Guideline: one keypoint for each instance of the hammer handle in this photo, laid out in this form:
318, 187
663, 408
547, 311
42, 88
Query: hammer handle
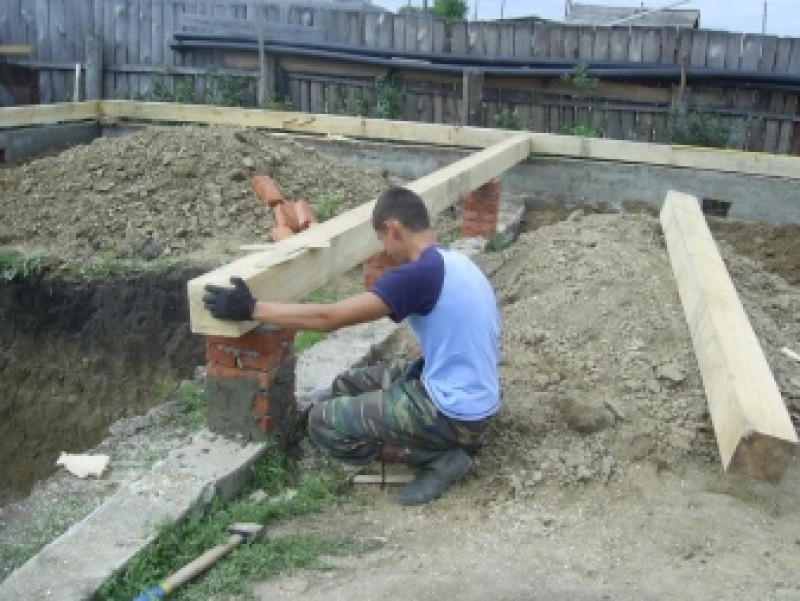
200, 564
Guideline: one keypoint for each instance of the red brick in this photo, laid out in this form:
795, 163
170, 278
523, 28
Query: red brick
263, 341
264, 378
261, 361
264, 423
266, 190
217, 356
260, 405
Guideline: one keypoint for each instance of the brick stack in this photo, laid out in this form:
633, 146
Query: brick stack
480, 210
250, 382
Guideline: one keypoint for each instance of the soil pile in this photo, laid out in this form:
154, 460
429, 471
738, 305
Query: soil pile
598, 369
177, 192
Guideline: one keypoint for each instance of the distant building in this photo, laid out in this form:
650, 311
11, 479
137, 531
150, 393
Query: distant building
635, 16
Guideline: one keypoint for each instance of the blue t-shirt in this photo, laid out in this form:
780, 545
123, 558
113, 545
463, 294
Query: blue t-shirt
451, 307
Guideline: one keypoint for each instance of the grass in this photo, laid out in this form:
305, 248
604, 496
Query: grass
288, 495
108, 265
36, 537
19, 266
305, 339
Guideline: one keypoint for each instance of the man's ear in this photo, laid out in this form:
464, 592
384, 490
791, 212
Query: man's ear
393, 228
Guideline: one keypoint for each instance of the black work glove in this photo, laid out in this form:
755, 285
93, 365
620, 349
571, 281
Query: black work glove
235, 303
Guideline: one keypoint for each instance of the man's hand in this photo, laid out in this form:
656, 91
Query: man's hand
235, 303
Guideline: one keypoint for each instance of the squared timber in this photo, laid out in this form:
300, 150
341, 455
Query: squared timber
754, 432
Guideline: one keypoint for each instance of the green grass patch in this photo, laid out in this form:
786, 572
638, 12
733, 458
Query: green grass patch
288, 494
305, 339
15, 266
107, 265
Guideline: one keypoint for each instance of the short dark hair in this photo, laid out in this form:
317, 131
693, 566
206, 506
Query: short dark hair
404, 205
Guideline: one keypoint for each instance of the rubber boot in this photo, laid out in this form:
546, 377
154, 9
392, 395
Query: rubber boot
438, 470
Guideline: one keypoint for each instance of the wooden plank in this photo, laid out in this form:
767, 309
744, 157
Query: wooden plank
47, 114
716, 49
636, 44
651, 45
523, 40
586, 43
754, 163
556, 42
669, 46
755, 435
317, 255
445, 135
541, 39
506, 32
491, 39
571, 40
619, 43
751, 52
16, 49
734, 50
43, 48
769, 49
602, 43
699, 48
458, 40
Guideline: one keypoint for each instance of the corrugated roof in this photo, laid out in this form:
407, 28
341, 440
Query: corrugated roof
595, 14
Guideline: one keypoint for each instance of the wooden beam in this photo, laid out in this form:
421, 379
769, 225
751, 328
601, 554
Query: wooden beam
694, 157
358, 127
45, 114
304, 262
16, 49
754, 433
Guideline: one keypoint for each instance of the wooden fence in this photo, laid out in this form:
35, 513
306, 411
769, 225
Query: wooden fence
134, 44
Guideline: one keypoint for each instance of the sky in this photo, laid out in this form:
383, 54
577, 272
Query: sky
783, 16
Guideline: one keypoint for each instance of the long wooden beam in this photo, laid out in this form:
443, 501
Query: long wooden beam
404, 131
310, 259
694, 157
753, 163
47, 114
754, 433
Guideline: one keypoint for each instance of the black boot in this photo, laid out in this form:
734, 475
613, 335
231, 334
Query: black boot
438, 471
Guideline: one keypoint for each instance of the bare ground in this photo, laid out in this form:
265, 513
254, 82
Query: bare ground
602, 479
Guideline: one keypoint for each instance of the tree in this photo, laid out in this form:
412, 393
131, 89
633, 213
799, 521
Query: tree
449, 9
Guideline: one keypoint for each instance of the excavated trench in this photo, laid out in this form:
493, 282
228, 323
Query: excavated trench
75, 356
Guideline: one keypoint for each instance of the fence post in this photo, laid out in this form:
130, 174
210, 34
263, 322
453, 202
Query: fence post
94, 68
473, 97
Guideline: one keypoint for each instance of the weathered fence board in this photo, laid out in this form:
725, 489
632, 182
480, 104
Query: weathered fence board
137, 37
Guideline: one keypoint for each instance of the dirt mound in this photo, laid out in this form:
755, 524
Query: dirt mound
182, 191
598, 369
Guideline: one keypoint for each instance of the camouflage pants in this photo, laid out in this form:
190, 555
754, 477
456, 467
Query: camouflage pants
387, 405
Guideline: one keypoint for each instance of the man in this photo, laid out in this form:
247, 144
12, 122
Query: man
431, 413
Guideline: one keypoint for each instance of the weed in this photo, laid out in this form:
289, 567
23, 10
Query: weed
583, 130
500, 241
357, 106
277, 104
388, 98
193, 399
508, 118
227, 90
580, 78
288, 495
327, 206
184, 91
19, 266
699, 128
305, 339
109, 265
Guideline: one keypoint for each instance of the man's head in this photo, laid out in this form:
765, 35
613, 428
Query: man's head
401, 220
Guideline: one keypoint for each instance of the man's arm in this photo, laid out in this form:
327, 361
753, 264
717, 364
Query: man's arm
361, 308
238, 303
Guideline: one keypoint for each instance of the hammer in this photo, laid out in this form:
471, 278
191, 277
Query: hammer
239, 533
